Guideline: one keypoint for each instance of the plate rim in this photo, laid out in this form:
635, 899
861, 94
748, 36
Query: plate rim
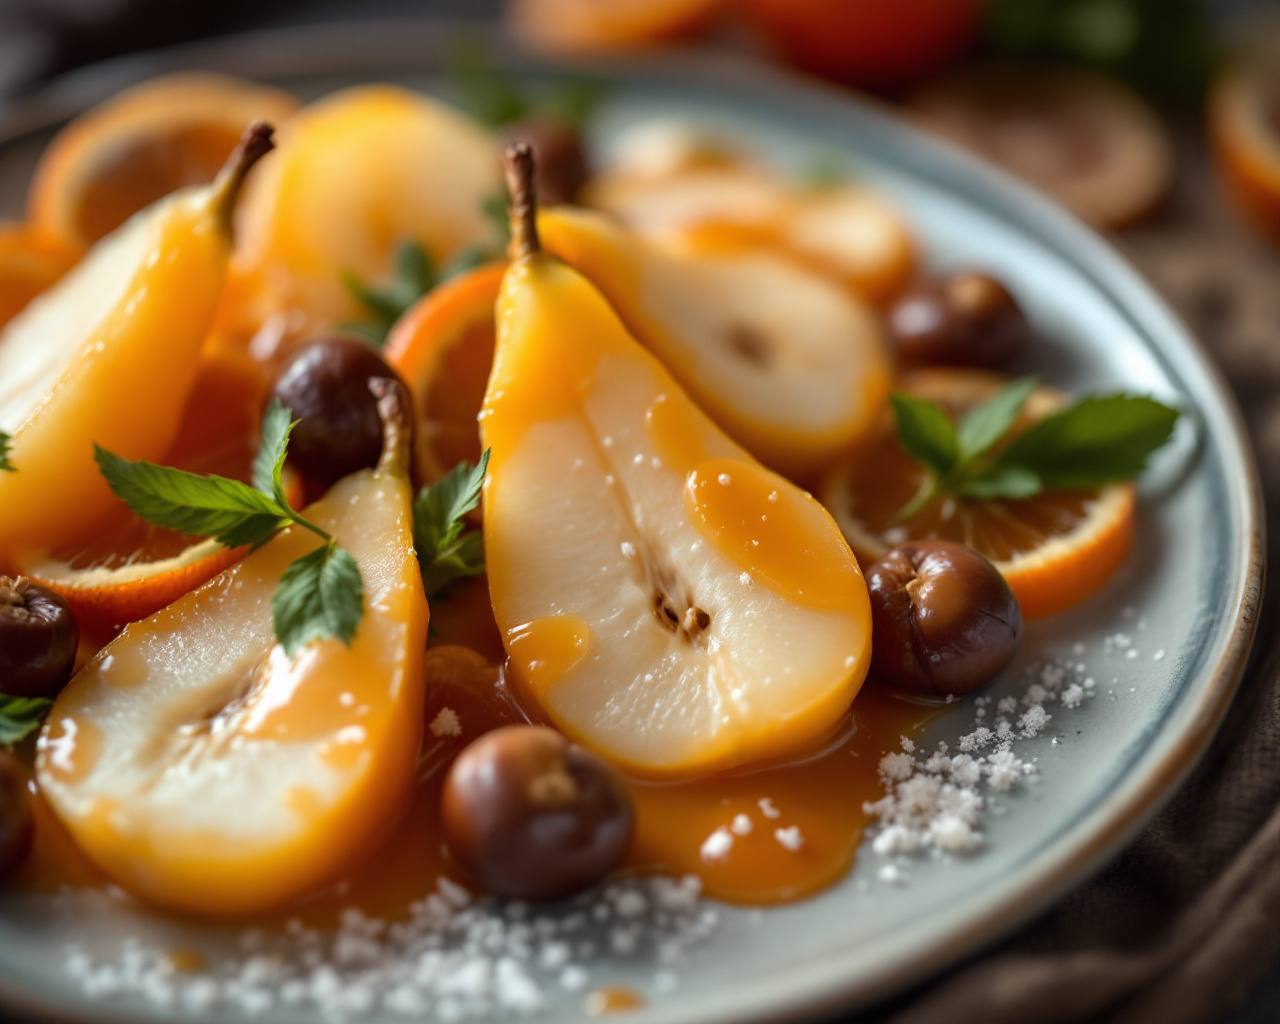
822, 987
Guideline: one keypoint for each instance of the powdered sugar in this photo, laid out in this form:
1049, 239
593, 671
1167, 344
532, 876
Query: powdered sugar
935, 801
453, 959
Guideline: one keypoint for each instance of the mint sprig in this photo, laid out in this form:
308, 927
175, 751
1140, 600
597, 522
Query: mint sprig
447, 550
20, 717
413, 275
320, 595
6, 464
1096, 441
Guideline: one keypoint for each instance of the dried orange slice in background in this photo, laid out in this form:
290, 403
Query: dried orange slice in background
1245, 135
129, 569
29, 263
1087, 140
443, 349
123, 155
1055, 549
587, 26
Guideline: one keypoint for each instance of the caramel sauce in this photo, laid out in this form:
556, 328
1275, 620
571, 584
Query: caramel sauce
612, 999
546, 649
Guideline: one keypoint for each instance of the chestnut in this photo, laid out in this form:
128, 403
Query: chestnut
562, 167
961, 319
325, 384
17, 818
533, 816
38, 639
943, 620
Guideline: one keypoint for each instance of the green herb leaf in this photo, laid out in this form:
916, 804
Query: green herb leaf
20, 717
321, 595
268, 464
490, 96
926, 432
5, 463
984, 425
206, 506
446, 550
1099, 440
413, 275
1009, 482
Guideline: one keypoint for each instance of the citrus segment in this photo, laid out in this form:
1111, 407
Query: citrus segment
1243, 132
165, 134
443, 350
1055, 549
584, 26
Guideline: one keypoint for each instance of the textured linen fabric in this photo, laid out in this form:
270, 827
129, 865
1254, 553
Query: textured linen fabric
1180, 928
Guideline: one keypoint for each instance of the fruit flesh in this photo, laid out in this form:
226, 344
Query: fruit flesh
787, 363
637, 610
203, 769
126, 323
356, 174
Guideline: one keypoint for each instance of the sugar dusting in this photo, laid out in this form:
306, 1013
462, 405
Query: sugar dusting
454, 958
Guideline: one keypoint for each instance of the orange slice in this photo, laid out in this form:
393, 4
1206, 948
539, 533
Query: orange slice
129, 569
587, 26
29, 263
1087, 140
443, 349
1054, 549
123, 155
1245, 136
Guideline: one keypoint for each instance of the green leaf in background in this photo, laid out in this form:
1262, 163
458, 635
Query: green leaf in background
490, 96
1099, 440
926, 432
1007, 482
20, 717
446, 550
413, 275
984, 425
5, 463
321, 595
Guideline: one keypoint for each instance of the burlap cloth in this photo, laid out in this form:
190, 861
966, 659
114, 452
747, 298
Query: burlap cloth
1183, 925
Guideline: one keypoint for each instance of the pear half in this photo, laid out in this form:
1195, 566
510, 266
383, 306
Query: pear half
789, 364
664, 598
204, 769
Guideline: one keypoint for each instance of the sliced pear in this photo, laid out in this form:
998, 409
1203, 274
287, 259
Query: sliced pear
792, 366
357, 173
204, 769
664, 598
109, 355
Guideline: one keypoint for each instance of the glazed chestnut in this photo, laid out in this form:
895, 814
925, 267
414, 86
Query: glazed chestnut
325, 384
533, 816
38, 639
17, 820
943, 619
964, 319
562, 168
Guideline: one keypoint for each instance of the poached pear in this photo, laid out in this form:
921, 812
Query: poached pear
109, 355
788, 363
203, 768
664, 598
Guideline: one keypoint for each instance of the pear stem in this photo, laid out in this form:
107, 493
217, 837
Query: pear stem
254, 144
522, 169
397, 424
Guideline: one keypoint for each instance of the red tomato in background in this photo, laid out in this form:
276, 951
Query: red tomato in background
877, 43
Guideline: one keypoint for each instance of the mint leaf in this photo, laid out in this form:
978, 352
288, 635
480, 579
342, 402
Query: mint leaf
983, 425
5, 463
1099, 440
20, 717
1008, 482
926, 432
268, 464
320, 595
446, 550
206, 506
413, 275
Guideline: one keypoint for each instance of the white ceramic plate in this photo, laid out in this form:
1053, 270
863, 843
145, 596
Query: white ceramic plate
1189, 590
